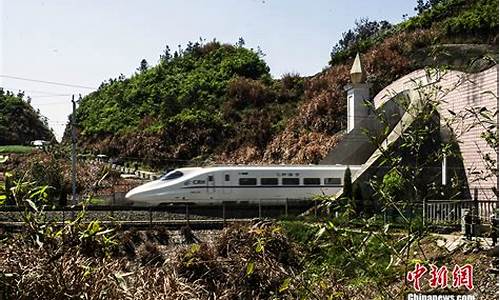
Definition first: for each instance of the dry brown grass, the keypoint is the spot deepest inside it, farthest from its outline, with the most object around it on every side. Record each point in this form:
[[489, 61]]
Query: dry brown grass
[[139, 268], [242, 262]]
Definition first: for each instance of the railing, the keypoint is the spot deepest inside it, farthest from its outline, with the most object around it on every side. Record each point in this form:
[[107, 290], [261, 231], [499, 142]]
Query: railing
[[452, 211]]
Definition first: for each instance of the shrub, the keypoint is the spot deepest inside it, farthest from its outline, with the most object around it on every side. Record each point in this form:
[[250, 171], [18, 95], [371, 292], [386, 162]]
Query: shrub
[[149, 254], [244, 92]]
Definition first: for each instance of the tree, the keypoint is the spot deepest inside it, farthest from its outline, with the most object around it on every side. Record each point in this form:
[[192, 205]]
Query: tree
[[347, 184], [166, 56], [357, 196], [358, 37], [241, 42], [143, 66], [423, 5]]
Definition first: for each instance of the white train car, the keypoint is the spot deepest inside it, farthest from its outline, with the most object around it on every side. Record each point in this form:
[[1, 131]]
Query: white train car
[[267, 185]]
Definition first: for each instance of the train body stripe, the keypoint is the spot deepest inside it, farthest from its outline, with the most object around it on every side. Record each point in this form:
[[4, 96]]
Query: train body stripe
[[260, 186]]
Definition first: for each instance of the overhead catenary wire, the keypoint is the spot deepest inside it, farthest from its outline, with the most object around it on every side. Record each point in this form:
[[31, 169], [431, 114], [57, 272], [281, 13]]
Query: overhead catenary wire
[[50, 103], [50, 96], [48, 82], [45, 93]]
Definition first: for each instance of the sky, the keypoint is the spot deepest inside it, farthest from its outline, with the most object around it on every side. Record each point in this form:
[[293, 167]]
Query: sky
[[82, 43]]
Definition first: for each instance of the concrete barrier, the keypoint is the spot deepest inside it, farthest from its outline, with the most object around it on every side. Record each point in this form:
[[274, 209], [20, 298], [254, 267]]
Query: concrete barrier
[[126, 170]]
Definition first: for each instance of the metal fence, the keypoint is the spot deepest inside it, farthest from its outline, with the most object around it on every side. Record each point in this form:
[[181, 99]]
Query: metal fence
[[452, 211], [113, 194]]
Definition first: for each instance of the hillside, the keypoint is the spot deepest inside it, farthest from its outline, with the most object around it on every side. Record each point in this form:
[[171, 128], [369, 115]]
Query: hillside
[[214, 102], [210, 98], [20, 124]]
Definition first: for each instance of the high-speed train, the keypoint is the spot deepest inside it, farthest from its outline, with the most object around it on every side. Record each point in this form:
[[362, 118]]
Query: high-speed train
[[266, 185]]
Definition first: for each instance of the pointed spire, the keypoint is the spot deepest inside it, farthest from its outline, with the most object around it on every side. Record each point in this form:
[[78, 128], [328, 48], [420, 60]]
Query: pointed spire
[[357, 71]]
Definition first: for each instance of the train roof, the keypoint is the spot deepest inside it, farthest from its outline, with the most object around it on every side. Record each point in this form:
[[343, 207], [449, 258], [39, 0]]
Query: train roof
[[274, 167]]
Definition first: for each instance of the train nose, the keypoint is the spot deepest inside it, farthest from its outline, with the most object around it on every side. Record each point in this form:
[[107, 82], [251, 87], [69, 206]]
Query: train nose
[[141, 193], [136, 195]]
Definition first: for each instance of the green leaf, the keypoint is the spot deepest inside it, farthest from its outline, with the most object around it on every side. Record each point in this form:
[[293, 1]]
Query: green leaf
[[88, 271], [32, 204], [259, 247], [390, 262], [120, 278], [320, 232], [386, 228], [105, 231], [95, 227], [250, 268], [285, 285]]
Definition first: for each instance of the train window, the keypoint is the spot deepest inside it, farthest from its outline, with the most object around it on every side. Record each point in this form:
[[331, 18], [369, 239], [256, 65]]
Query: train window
[[227, 178], [248, 181], [290, 181], [269, 181], [335, 181], [172, 175], [210, 178], [312, 181]]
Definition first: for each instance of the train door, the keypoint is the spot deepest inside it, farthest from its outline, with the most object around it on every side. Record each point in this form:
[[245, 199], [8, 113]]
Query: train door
[[210, 183], [227, 183]]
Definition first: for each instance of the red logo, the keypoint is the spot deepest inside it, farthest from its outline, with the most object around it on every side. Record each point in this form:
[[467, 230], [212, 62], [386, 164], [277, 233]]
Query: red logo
[[416, 275], [439, 277], [462, 276]]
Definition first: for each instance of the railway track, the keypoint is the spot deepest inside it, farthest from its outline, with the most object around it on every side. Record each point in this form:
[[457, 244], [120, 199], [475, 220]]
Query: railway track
[[197, 217], [205, 224]]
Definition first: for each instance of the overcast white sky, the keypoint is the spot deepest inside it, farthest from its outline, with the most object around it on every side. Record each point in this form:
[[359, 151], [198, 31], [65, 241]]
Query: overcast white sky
[[88, 41]]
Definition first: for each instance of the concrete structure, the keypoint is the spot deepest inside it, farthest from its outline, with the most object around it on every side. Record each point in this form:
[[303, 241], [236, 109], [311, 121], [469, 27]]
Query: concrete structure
[[458, 93], [356, 146], [357, 93]]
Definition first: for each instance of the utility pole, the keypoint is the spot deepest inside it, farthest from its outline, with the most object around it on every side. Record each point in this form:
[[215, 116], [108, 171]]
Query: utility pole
[[73, 152]]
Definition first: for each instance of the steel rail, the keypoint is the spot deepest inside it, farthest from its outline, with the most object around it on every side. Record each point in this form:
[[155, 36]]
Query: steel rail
[[204, 224]]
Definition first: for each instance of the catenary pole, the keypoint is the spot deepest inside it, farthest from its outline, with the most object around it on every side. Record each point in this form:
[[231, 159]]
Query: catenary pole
[[73, 152]]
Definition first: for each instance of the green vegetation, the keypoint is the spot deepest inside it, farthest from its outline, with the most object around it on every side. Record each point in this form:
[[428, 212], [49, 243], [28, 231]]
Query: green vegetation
[[15, 149], [453, 21], [53, 169], [19, 122], [458, 17], [194, 101], [350, 258], [97, 201], [195, 79]]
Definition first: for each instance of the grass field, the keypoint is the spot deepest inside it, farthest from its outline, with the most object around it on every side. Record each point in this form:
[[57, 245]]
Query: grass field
[[15, 149]]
